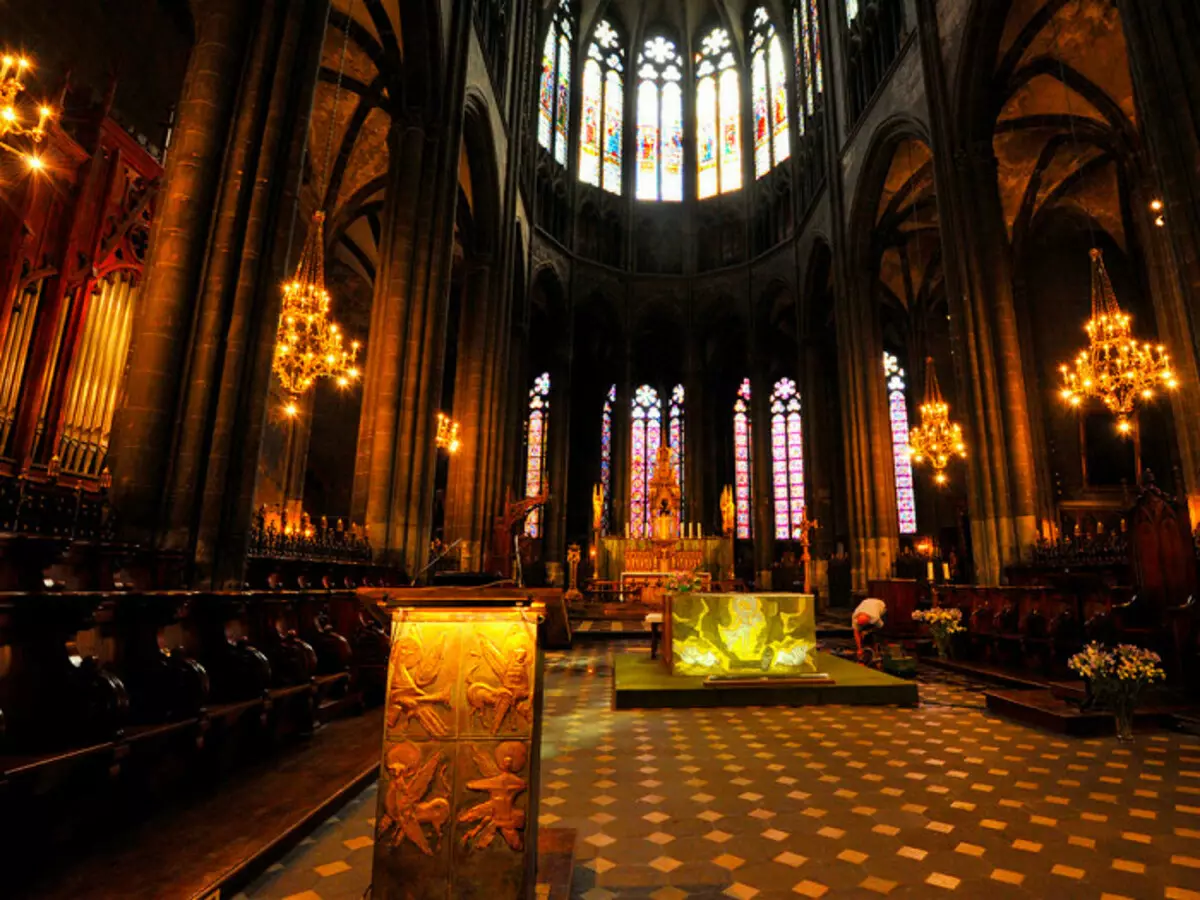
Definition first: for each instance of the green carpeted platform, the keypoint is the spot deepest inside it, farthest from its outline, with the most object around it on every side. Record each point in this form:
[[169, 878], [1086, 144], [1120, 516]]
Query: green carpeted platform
[[643, 683]]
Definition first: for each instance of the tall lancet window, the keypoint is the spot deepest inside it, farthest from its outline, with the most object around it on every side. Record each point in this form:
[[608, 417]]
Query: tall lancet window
[[743, 461], [810, 78], [897, 387], [659, 122], [718, 117], [554, 97], [768, 76], [601, 120], [787, 459], [645, 439], [676, 436], [606, 424], [535, 448]]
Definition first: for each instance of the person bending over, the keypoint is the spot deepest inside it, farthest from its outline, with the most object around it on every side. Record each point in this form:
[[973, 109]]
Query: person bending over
[[868, 618]]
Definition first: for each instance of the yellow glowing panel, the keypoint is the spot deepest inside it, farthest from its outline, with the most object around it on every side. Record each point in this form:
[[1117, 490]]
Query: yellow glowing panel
[[742, 634]]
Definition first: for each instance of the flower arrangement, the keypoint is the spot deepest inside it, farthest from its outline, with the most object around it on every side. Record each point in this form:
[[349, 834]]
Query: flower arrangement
[[944, 623], [1117, 677], [689, 583]]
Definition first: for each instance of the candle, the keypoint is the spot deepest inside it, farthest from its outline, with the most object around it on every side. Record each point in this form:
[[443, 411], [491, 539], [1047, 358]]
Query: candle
[[626, 531], [929, 571], [945, 571]]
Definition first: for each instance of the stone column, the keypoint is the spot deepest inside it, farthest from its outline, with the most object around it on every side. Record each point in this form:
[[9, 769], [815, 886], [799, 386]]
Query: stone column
[[1163, 38], [143, 427], [763, 492], [217, 387]]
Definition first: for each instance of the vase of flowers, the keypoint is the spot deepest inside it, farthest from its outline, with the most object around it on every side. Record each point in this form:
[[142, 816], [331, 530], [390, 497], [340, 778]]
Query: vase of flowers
[[943, 624], [684, 583], [1116, 677]]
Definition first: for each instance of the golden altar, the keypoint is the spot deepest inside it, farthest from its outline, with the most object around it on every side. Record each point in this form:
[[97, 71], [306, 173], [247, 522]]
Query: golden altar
[[751, 635], [458, 787]]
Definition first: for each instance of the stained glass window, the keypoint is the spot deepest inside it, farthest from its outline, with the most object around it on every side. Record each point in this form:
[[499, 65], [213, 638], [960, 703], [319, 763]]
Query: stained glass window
[[645, 439], [851, 10], [906, 501], [606, 423], [601, 117], [535, 448], [743, 461], [787, 459], [554, 95], [659, 122], [718, 116], [768, 77], [810, 80], [676, 437]]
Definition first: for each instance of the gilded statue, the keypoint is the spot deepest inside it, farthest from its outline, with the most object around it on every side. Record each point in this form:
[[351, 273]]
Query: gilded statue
[[597, 507], [406, 811], [728, 511], [510, 668], [499, 812], [665, 496], [413, 671]]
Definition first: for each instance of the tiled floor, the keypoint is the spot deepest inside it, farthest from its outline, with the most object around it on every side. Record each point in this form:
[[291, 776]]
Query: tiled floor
[[829, 802]]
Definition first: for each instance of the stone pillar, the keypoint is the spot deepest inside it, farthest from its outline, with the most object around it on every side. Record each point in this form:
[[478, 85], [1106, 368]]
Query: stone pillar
[[212, 362], [1163, 39], [475, 345], [763, 492], [143, 427]]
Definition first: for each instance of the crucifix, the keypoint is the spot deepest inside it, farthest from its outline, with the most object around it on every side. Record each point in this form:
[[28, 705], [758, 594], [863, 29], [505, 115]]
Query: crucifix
[[803, 532]]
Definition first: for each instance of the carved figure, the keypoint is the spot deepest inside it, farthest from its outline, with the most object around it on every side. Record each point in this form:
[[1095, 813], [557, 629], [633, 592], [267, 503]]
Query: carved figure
[[406, 811], [502, 783], [413, 671], [511, 669], [728, 511], [597, 507], [664, 496]]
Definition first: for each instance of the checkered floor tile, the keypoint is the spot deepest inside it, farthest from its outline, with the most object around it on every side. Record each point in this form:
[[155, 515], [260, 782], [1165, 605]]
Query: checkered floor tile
[[828, 802]]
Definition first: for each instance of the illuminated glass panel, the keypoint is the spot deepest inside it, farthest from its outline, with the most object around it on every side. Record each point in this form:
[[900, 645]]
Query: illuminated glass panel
[[762, 116], [676, 436], [647, 171], [554, 94], [787, 459], [672, 142], [546, 94], [645, 439], [590, 118], [814, 18], [717, 75], [614, 98], [743, 461], [781, 136], [602, 111], [535, 448], [731, 132], [706, 137], [606, 423], [562, 112], [851, 10], [906, 501], [659, 122]]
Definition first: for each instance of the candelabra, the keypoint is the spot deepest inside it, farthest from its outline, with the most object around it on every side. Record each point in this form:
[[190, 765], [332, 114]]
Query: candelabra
[[447, 434], [936, 439], [12, 123]]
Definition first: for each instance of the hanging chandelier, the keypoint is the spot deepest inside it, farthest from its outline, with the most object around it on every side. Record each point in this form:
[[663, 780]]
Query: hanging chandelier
[[1114, 368], [936, 440], [447, 434], [309, 344], [12, 86]]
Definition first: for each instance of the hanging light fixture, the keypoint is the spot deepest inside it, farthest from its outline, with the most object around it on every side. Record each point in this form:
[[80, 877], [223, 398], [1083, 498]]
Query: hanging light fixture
[[13, 69], [309, 344], [937, 439], [447, 434], [1115, 368]]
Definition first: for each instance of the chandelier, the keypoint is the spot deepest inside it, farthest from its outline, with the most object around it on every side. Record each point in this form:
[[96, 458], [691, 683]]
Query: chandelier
[[1114, 368], [309, 344], [447, 434], [936, 439], [12, 86]]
